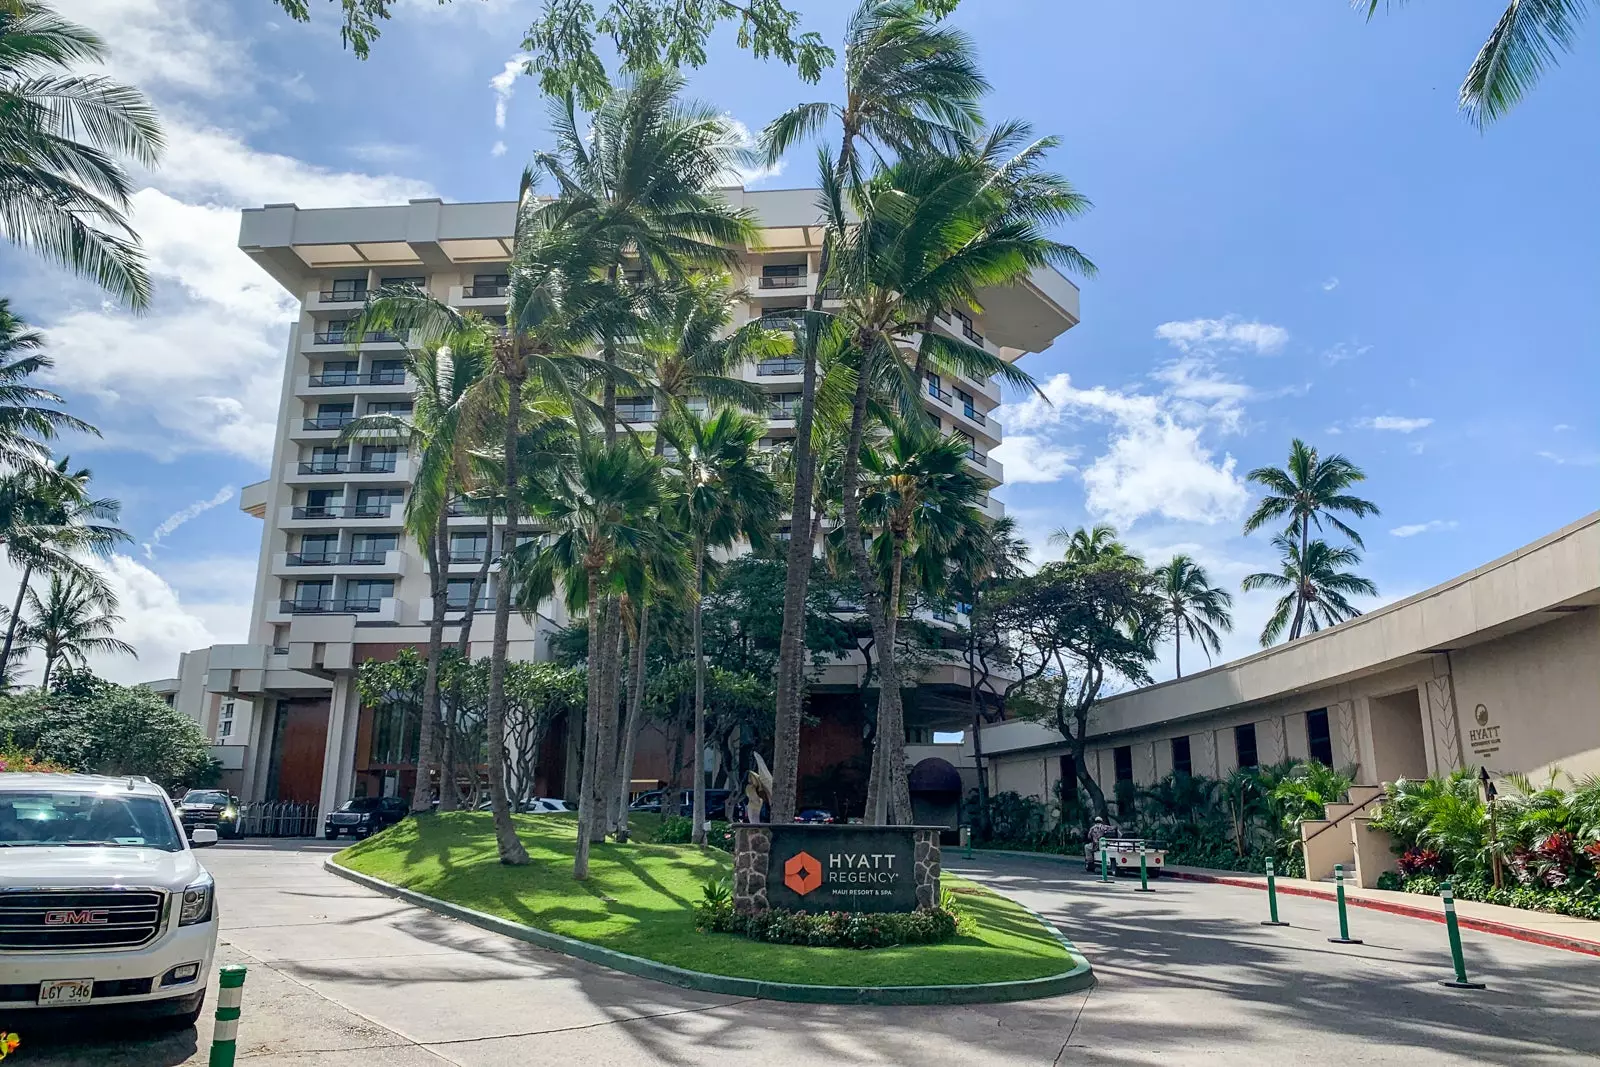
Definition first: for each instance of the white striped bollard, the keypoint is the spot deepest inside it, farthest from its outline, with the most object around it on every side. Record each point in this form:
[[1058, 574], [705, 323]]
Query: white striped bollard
[[224, 1038], [1456, 958]]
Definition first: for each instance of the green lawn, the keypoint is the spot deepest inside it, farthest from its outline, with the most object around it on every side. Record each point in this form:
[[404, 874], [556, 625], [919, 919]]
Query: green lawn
[[639, 899]]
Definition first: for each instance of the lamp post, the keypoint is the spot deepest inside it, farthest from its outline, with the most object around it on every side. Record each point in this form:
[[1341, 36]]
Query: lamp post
[[1489, 794]]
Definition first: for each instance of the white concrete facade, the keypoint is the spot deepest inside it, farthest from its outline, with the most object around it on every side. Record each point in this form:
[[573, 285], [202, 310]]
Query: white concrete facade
[[1498, 668], [338, 581]]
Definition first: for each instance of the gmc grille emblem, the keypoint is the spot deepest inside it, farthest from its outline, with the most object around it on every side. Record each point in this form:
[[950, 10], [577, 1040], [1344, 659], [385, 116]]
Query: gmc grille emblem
[[87, 917]]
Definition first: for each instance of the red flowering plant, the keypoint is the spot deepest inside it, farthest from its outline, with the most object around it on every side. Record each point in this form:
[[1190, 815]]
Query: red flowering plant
[[1415, 861]]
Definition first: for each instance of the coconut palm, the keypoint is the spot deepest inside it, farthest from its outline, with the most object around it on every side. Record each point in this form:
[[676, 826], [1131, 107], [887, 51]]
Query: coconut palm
[[437, 436], [1309, 490], [48, 521], [30, 416], [722, 493], [63, 193], [1525, 40], [1086, 546], [1318, 587], [551, 303], [911, 86], [602, 513], [1193, 606], [919, 492], [73, 620]]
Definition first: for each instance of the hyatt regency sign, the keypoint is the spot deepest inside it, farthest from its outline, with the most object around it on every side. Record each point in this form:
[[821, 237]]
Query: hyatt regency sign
[[842, 868]]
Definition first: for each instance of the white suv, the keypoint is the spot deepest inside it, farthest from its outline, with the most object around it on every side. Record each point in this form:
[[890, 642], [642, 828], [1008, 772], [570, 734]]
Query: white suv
[[103, 905]]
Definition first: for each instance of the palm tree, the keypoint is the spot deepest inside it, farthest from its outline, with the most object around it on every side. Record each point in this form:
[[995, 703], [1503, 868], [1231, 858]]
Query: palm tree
[[1309, 490], [1318, 587], [549, 303], [437, 436], [1524, 41], [722, 493], [30, 415], [1193, 606], [918, 490], [601, 511], [62, 192], [73, 620], [932, 234], [47, 521], [911, 86], [1084, 547]]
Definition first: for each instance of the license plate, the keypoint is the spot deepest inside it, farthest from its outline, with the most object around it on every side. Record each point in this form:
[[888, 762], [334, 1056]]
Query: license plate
[[65, 991]]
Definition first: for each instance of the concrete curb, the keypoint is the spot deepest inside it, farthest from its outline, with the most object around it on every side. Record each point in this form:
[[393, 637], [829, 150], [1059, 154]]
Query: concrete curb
[[1078, 978], [1483, 926]]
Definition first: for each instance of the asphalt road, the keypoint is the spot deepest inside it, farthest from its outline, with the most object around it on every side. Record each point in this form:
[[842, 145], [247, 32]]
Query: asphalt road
[[340, 976]]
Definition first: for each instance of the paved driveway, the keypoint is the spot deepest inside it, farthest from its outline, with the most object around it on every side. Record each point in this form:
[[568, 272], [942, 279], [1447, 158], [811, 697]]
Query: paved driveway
[[341, 976]]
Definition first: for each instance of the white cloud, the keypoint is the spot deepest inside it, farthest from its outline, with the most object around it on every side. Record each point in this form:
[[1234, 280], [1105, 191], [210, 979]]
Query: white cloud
[[1397, 423], [161, 44], [753, 171], [178, 518], [1330, 284], [1588, 460], [1155, 462], [1205, 335], [498, 149], [1412, 529], [1560, 427], [1029, 458], [504, 85], [1345, 350]]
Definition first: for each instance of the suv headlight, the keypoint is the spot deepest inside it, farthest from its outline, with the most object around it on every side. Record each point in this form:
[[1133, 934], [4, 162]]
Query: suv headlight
[[196, 906]]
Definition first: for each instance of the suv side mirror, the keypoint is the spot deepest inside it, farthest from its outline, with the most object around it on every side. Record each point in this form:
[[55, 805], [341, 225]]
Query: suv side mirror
[[203, 836]]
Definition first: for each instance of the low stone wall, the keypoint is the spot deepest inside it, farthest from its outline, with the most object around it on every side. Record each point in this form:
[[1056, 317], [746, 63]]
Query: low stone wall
[[837, 868]]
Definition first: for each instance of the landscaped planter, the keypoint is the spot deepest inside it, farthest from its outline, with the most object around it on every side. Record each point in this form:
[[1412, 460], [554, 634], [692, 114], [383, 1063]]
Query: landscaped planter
[[812, 867]]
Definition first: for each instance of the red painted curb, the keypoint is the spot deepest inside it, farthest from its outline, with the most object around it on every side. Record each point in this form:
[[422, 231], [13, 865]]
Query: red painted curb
[[1485, 926]]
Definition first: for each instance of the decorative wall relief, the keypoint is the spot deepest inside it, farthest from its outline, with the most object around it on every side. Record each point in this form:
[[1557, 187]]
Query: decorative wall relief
[[1442, 717]]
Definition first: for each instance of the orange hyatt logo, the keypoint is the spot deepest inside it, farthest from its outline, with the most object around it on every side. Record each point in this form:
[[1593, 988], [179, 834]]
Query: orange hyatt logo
[[802, 873]]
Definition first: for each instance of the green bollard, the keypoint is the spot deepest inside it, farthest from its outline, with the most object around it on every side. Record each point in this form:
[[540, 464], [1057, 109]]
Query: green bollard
[[1144, 875], [224, 1036], [1272, 896], [1344, 937], [1105, 864], [966, 840], [1454, 931]]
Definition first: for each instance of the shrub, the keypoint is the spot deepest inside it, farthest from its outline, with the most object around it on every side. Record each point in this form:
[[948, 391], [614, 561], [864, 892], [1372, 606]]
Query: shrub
[[831, 929], [679, 830], [1390, 880], [15, 759], [1527, 897], [1416, 861]]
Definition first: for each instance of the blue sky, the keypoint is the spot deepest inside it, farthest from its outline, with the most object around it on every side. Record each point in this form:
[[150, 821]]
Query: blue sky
[[1296, 235]]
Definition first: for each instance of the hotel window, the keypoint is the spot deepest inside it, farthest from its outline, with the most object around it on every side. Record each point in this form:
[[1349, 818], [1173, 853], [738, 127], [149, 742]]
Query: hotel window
[[1244, 744], [1181, 763], [225, 720], [349, 289], [1317, 737], [1069, 777], [388, 407], [1122, 758], [372, 548], [365, 595], [468, 547]]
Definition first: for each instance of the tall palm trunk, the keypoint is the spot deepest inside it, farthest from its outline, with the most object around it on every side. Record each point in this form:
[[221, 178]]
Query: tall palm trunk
[[449, 798], [505, 832], [606, 723], [16, 617], [697, 757], [893, 791], [1300, 593], [591, 727], [439, 562], [635, 716], [888, 670], [1177, 642]]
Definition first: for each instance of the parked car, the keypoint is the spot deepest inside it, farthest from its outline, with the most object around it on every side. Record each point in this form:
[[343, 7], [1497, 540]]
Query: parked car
[[107, 909], [216, 809], [363, 816], [815, 815], [545, 806], [716, 803]]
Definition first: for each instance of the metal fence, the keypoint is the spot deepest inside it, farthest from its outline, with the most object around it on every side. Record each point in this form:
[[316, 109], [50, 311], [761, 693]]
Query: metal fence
[[278, 819]]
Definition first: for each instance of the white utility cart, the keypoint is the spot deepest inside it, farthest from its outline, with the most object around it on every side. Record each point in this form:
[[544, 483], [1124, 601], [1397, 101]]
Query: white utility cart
[[1122, 855]]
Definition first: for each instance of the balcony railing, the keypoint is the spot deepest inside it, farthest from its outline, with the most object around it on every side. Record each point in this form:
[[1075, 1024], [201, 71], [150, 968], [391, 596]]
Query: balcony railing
[[480, 292], [636, 414], [970, 334], [832, 292], [335, 559], [779, 366], [484, 603], [347, 606], [350, 466], [939, 394], [974, 414], [977, 457], [342, 296], [342, 337], [779, 322], [329, 422], [343, 511], [782, 281], [466, 557], [345, 379], [783, 411]]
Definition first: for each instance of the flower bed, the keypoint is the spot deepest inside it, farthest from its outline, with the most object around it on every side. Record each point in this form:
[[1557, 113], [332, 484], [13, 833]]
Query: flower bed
[[1527, 897]]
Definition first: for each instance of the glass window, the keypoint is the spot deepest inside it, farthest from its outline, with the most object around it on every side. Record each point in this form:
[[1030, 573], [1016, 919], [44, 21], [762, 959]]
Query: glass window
[[388, 371], [487, 280], [1318, 739], [111, 818], [366, 592], [1181, 763], [331, 410], [457, 591], [225, 719], [783, 270], [1122, 759], [1069, 776], [636, 408], [372, 547], [388, 407], [315, 548], [379, 459], [349, 289], [1244, 744], [416, 282], [315, 592], [468, 547]]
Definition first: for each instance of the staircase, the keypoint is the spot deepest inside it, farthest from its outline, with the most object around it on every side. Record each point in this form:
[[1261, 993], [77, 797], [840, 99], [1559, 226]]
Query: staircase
[[1329, 840]]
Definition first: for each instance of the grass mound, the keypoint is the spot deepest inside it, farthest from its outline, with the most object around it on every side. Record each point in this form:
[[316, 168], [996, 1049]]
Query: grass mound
[[640, 899]]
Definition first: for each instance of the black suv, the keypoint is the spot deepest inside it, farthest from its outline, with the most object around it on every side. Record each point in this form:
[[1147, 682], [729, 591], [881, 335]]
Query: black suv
[[716, 802], [361, 816], [213, 809]]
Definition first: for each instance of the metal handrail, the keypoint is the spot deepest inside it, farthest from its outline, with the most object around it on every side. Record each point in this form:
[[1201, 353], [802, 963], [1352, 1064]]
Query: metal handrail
[[782, 281], [347, 606], [970, 334], [335, 559], [779, 366], [347, 378], [340, 337], [329, 422], [1335, 822], [479, 292], [939, 394], [348, 466], [975, 415], [342, 511], [341, 296]]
